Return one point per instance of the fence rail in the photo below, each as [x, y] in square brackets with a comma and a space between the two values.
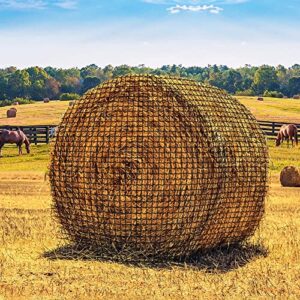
[271, 129]
[41, 134]
[36, 134]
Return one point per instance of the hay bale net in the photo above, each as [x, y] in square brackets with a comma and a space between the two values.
[158, 165]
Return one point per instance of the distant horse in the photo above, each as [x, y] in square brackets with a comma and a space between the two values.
[17, 137]
[287, 132]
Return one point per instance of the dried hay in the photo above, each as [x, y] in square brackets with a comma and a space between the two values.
[290, 176]
[11, 113]
[158, 166]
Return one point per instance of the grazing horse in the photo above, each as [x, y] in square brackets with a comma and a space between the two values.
[17, 137]
[287, 132]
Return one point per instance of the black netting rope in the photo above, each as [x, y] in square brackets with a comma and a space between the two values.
[160, 166]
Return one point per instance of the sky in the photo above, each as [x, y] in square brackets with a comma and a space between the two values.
[76, 33]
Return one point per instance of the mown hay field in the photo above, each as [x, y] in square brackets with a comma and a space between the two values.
[38, 113]
[34, 265]
[271, 109]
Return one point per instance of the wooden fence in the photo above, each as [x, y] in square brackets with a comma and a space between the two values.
[41, 134]
[36, 134]
[271, 128]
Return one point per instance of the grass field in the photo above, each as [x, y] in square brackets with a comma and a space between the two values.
[35, 114]
[272, 109]
[35, 263]
[33, 266]
[285, 110]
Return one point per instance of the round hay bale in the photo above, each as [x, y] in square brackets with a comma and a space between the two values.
[11, 113]
[297, 97]
[290, 177]
[260, 99]
[158, 165]
[46, 100]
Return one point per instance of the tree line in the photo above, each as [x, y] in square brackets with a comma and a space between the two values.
[38, 83]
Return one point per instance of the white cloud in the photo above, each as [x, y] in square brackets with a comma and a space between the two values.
[211, 6]
[195, 8]
[36, 4]
[195, 2]
[66, 4]
[23, 4]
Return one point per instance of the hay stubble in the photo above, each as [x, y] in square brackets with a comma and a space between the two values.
[28, 232]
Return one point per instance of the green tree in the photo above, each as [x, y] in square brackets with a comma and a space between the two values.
[19, 84]
[10, 70]
[89, 83]
[122, 70]
[38, 78]
[3, 87]
[89, 71]
[282, 75]
[71, 85]
[232, 81]
[52, 88]
[294, 86]
[273, 94]
[108, 72]
[52, 82]
[294, 70]
[69, 96]
[175, 70]
[215, 79]
[265, 78]
[247, 72]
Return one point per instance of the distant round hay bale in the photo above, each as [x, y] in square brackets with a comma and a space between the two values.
[46, 100]
[290, 177]
[11, 113]
[296, 97]
[260, 99]
[158, 165]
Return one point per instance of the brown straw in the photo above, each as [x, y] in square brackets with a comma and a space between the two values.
[158, 165]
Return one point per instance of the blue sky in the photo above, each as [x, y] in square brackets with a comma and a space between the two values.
[67, 33]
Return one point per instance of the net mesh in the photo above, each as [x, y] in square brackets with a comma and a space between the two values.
[159, 165]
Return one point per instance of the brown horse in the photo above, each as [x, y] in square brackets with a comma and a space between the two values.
[289, 133]
[17, 137]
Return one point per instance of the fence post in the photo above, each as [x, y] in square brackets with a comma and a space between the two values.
[35, 135]
[47, 135]
[273, 128]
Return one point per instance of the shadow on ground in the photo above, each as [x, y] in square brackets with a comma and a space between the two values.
[218, 260]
